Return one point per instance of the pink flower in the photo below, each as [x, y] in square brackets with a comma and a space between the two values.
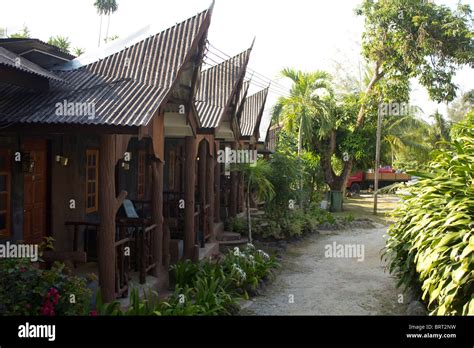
[47, 310]
[93, 313]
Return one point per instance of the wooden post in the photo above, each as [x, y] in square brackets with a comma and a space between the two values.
[202, 188]
[210, 163]
[241, 193]
[157, 216]
[190, 165]
[108, 206]
[217, 192]
[217, 186]
[233, 190]
[377, 158]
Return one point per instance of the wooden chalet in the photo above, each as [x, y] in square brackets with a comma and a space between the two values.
[218, 101]
[98, 151]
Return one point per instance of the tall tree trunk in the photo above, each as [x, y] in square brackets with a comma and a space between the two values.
[369, 90]
[107, 31]
[100, 30]
[340, 184]
[300, 148]
[248, 211]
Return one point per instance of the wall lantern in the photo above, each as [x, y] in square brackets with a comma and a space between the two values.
[64, 161]
[61, 159]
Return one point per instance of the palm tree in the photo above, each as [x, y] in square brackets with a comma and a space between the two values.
[105, 7]
[405, 133]
[100, 6]
[308, 104]
[440, 129]
[256, 179]
[305, 104]
[112, 6]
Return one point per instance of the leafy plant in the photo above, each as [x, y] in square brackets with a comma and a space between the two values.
[237, 225]
[27, 290]
[185, 272]
[430, 247]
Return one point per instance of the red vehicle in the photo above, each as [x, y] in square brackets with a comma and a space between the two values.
[365, 180]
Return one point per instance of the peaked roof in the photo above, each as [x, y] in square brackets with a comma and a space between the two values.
[15, 61]
[252, 112]
[217, 86]
[126, 88]
[243, 95]
[36, 51]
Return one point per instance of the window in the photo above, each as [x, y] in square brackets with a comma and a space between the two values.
[141, 173]
[5, 192]
[92, 181]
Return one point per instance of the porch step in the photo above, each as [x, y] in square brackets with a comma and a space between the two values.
[228, 236]
[226, 245]
[210, 250]
[254, 212]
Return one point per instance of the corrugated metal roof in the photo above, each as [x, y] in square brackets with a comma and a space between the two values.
[217, 86]
[13, 60]
[22, 46]
[126, 88]
[252, 112]
[243, 95]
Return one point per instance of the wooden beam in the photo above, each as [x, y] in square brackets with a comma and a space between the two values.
[217, 185]
[157, 217]
[158, 136]
[108, 206]
[233, 189]
[210, 164]
[202, 188]
[190, 165]
[69, 128]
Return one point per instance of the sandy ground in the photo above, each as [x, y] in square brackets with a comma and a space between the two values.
[309, 283]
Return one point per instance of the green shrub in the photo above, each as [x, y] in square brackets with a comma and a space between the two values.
[295, 225]
[185, 272]
[205, 288]
[27, 290]
[237, 225]
[248, 266]
[272, 230]
[430, 246]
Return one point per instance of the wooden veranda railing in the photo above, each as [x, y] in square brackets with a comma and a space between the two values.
[122, 267]
[173, 214]
[133, 248]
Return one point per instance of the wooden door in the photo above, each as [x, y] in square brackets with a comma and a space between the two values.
[34, 205]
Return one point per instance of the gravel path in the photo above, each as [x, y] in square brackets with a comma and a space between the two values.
[309, 283]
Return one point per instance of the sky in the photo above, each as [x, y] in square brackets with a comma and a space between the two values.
[303, 34]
